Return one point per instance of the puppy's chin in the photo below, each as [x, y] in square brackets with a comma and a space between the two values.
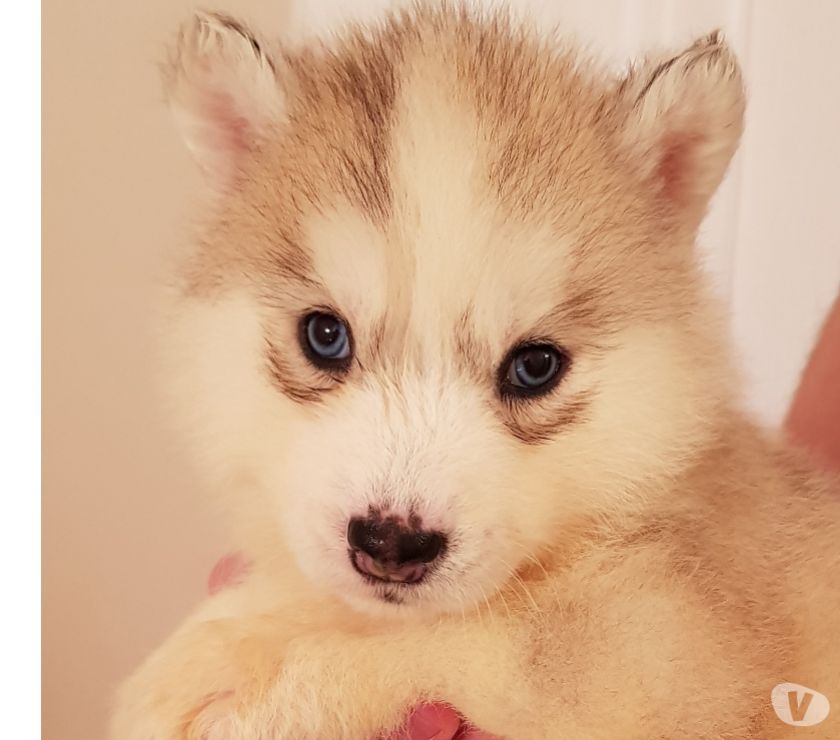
[393, 601]
[429, 600]
[389, 603]
[424, 601]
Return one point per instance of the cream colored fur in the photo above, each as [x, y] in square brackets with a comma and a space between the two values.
[633, 558]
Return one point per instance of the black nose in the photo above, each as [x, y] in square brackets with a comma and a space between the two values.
[389, 550]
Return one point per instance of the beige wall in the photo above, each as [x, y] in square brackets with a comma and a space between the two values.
[127, 544]
[127, 540]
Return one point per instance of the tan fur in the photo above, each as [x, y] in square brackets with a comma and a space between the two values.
[631, 557]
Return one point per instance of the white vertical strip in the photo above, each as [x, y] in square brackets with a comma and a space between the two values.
[787, 268]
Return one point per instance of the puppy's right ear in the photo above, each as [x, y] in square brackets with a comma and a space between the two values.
[223, 90]
[684, 113]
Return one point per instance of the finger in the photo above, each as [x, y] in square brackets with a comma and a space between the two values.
[228, 571]
[433, 722]
[429, 722]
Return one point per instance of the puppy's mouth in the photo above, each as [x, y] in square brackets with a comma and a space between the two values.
[378, 571]
[391, 582]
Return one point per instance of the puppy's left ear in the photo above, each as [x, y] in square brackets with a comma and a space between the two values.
[222, 86]
[682, 118]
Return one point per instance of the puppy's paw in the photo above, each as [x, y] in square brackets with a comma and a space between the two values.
[196, 687]
[166, 711]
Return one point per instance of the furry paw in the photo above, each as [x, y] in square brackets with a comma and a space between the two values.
[173, 714]
[196, 687]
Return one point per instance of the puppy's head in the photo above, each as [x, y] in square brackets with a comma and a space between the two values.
[444, 309]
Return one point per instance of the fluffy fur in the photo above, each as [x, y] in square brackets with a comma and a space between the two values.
[630, 557]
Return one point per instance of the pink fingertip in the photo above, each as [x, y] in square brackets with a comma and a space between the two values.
[429, 722]
[433, 722]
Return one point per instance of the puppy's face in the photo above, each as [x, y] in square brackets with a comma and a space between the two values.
[444, 312]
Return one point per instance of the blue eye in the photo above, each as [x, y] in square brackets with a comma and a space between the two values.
[534, 369]
[326, 340]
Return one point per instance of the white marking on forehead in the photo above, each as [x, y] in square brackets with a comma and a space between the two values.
[446, 214]
[434, 172]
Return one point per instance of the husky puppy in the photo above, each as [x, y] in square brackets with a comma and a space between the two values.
[443, 347]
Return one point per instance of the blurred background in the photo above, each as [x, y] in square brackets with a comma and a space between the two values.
[127, 540]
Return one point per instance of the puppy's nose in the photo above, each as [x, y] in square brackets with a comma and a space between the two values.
[389, 550]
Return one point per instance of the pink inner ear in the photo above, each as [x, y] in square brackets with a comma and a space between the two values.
[230, 132]
[676, 165]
